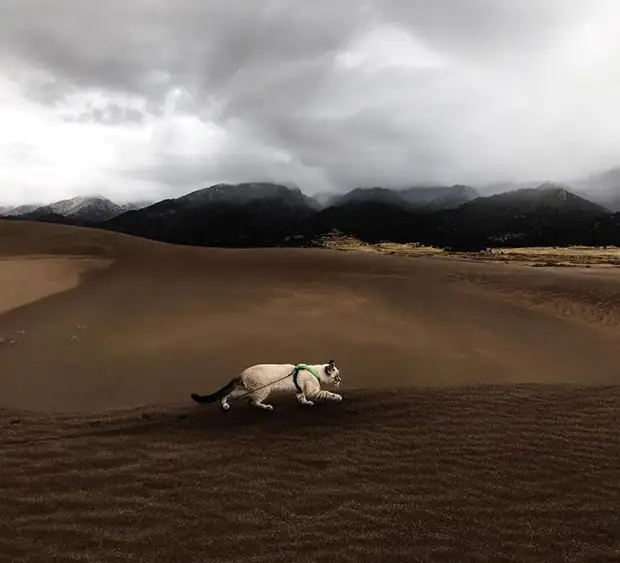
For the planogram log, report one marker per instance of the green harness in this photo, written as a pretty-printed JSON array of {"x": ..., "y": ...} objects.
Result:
[{"x": 303, "y": 367}]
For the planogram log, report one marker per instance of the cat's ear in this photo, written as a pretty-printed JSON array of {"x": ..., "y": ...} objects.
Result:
[{"x": 330, "y": 366}]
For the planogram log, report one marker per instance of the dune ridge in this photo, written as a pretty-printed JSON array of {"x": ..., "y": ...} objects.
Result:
[{"x": 26, "y": 280}]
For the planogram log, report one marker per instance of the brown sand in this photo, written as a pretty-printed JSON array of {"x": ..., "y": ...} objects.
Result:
[
  {"x": 24, "y": 280},
  {"x": 442, "y": 470}
]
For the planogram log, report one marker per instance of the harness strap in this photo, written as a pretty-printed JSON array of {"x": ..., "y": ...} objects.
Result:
[{"x": 303, "y": 367}]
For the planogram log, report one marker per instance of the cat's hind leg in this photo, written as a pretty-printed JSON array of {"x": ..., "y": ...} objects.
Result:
[
  {"x": 224, "y": 404},
  {"x": 257, "y": 400}
]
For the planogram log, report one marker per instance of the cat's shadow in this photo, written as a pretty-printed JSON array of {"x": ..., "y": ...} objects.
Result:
[{"x": 358, "y": 410}]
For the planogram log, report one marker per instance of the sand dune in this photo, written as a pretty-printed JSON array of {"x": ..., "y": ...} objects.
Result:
[
  {"x": 28, "y": 279},
  {"x": 162, "y": 321},
  {"x": 501, "y": 443},
  {"x": 517, "y": 474}
]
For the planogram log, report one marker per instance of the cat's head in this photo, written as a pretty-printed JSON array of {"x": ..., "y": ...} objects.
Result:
[{"x": 332, "y": 373}]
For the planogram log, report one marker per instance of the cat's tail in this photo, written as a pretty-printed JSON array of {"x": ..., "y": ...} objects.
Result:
[{"x": 230, "y": 386}]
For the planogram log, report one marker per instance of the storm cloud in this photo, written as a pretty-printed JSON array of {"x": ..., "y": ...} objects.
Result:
[{"x": 152, "y": 98}]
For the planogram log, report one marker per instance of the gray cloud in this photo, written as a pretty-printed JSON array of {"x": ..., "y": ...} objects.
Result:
[
  {"x": 109, "y": 114},
  {"x": 145, "y": 46},
  {"x": 331, "y": 95},
  {"x": 485, "y": 29}
]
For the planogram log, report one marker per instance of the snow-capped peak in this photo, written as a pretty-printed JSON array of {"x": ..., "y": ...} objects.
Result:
[{"x": 80, "y": 204}]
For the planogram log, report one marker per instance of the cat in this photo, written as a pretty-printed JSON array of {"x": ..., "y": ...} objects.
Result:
[{"x": 258, "y": 381}]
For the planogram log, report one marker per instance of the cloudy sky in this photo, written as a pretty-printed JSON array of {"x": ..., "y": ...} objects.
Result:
[{"x": 137, "y": 99}]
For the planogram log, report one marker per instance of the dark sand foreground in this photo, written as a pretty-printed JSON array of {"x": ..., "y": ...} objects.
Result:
[
  {"x": 495, "y": 474},
  {"x": 501, "y": 442}
]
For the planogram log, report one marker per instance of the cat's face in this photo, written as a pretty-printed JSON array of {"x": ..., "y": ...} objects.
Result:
[{"x": 333, "y": 374}]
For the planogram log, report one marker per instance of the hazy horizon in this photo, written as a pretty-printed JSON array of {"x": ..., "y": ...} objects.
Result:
[{"x": 149, "y": 99}]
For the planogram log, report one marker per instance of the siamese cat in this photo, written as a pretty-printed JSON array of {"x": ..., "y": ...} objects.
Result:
[{"x": 259, "y": 381}]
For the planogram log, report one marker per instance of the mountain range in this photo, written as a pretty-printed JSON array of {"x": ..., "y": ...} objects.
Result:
[
  {"x": 268, "y": 214},
  {"x": 78, "y": 211},
  {"x": 425, "y": 199}
]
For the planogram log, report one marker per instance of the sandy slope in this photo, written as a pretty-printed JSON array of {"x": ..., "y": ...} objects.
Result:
[
  {"x": 25, "y": 280},
  {"x": 503, "y": 473},
  {"x": 495, "y": 474},
  {"x": 162, "y": 321}
]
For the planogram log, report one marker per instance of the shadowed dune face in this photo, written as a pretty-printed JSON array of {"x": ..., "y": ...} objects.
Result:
[
  {"x": 163, "y": 321},
  {"x": 523, "y": 474}
]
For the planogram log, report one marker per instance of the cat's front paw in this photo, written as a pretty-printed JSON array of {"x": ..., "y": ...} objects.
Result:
[
  {"x": 308, "y": 404},
  {"x": 337, "y": 398}
]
